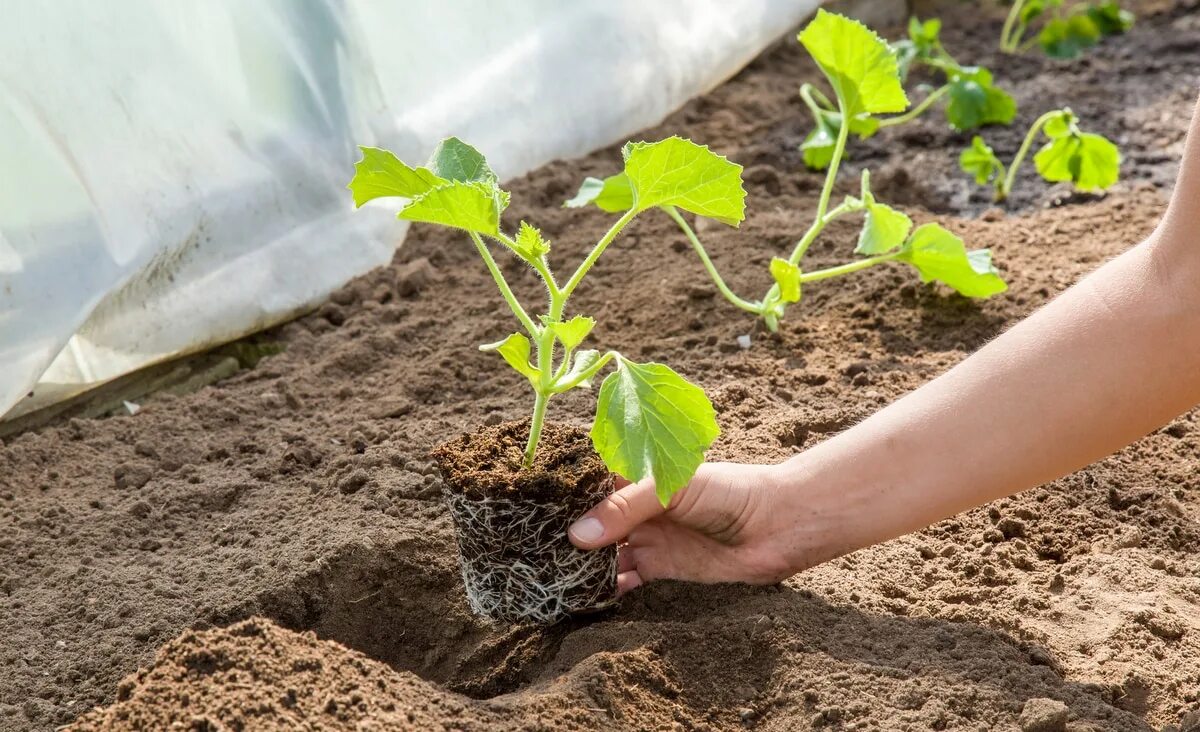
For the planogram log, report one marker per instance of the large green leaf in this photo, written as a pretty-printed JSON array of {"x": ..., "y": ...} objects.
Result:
[
  {"x": 940, "y": 255},
  {"x": 380, "y": 174},
  {"x": 858, "y": 63},
  {"x": 1068, "y": 37},
  {"x": 678, "y": 172},
  {"x": 1089, "y": 161},
  {"x": 515, "y": 350},
  {"x": 884, "y": 228},
  {"x": 976, "y": 101},
  {"x": 454, "y": 159},
  {"x": 787, "y": 276},
  {"x": 613, "y": 194},
  {"x": 650, "y": 421},
  {"x": 980, "y": 161},
  {"x": 572, "y": 332},
  {"x": 472, "y": 206}
]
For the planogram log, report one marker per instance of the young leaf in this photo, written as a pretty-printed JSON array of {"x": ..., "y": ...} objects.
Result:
[
  {"x": 980, "y": 161},
  {"x": 940, "y": 255},
  {"x": 884, "y": 229},
  {"x": 922, "y": 42},
  {"x": 454, "y": 159},
  {"x": 474, "y": 206},
  {"x": 530, "y": 242},
  {"x": 787, "y": 276},
  {"x": 1061, "y": 124},
  {"x": 1109, "y": 18},
  {"x": 678, "y": 172},
  {"x": 819, "y": 146},
  {"x": 613, "y": 194},
  {"x": 515, "y": 350},
  {"x": 650, "y": 421},
  {"x": 858, "y": 63},
  {"x": 1068, "y": 37},
  {"x": 573, "y": 331},
  {"x": 380, "y": 174},
  {"x": 975, "y": 101},
  {"x": 1089, "y": 161},
  {"x": 584, "y": 360}
]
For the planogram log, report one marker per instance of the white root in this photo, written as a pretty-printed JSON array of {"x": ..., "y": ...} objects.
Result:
[{"x": 518, "y": 565}]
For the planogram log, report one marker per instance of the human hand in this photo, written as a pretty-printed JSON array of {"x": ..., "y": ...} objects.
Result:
[{"x": 724, "y": 526}]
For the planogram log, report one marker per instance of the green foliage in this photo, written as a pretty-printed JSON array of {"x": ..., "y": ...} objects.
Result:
[
  {"x": 1068, "y": 37},
  {"x": 981, "y": 162},
  {"x": 884, "y": 228},
  {"x": 650, "y": 421},
  {"x": 787, "y": 276},
  {"x": 941, "y": 256},
  {"x": 858, "y": 64},
  {"x": 975, "y": 101},
  {"x": 1064, "y": 34}
]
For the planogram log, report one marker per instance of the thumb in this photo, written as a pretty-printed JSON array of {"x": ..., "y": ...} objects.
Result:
[{"x": 613, "y": 518}]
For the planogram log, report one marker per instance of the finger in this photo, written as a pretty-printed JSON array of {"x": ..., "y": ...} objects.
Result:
[
  {"x": 619, "y": 482},
  {"x": 626, "y": 559},
  {"x": 613, "y": 518},
  {"x": 626, "y": 581}
]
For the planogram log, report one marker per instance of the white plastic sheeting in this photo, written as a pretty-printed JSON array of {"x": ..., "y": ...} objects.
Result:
[{"x": 172, "y": 173}]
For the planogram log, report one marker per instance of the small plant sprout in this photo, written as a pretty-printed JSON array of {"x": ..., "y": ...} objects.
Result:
[
  {"x": 1089, "y": 161},
  {"x": 649, "y": 420},
  {"x": 973, "y": 99},
  {"x": 863, "y": 74},
  {"x": 1066, "y": 33}
]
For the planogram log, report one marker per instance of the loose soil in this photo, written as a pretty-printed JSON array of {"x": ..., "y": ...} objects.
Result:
[{"x": 300, "y": 491}]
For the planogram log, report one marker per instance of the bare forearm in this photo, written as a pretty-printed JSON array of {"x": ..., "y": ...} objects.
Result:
[{"x": 1113, "y": 358}]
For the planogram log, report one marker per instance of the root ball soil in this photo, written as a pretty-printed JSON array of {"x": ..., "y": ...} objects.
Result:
[{"x": 274, "y": 551}]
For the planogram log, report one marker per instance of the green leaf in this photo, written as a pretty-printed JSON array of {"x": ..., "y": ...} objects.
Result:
[
  {"x": 884, "y": 229},
  {"x": 980, "y": 161},
  {"x": 573, "y": 331},
  {"x": 380, "y": 174},
  {"x": 530, "y": 242},
  {"x": 940, "y": 255},
  {"x": 858, "y": 63},
  {"x": 650, "y": 421},
  {"x": 1089, "y": 161},
  {"x": 515, "y": 350},
  {"x": 787, "y": 276},
  {"x": 613, "y": 194},
  {"x": 472, "y": 206},
  {"x": 454, "y": 159},
  {"x": 584, "y": 360},
  {"x": 818, "y": 147},
  {"x": 678, "y": 172},
  {"x": 1033, "y": 9},
  {"x": 1068, "y": 37},
  {"x": 1109, "y": 18},
  {"x": 975, "y": 101},
  {"x": 1061, "y": 124}
]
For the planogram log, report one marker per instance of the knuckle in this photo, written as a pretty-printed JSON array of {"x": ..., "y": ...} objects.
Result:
[{"x": 622, "y": 506}]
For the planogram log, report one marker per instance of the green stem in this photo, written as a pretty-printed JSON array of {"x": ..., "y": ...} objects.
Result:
[
  {"x": 918, "y": 110},
  {"x": 586, "y": 374},
  {"x": 535, "y": 426},
  {"x": 1006, "y": 183},
  {"x": 806, "y": 93},
  {"x": 839, "y": 149},
  {"x": 750, "y": 307},
  {"x": 539, "y": 264},
  {"x": 845, "y": 269},
  {"x": 505, "y": 290},
  {"x": 593, "y": 255},
  {"x": 1007, "y": 42}
]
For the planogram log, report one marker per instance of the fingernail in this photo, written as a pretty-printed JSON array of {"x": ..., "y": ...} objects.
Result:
[{"x": 587, "y": 530}]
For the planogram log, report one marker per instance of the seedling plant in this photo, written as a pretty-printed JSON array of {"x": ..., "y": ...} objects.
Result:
[
  {"x": 1065, "y": 32},
  {"x": 863, "y": 74},
  {"x": 1089, "y": 161},
  {"x": 973, "y": 99}
]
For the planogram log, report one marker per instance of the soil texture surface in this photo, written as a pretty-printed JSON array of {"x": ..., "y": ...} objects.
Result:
[{"x": 273, "y": 551}]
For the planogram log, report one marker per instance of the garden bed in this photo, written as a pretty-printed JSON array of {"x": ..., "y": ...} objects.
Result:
[{"x": 300, "y": 492}]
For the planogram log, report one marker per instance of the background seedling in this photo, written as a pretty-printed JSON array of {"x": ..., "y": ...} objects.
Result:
[
  {"x": 1065, "y": 33},
  {"x": 863, "y": 74},
  {"x": 649, "y": 421},
  {"x": 1089, "y": 161},
  {"x": 973, "y": 99}
]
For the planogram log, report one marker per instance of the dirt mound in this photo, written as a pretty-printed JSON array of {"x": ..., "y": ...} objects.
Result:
[{"x": 301, "y": 492}]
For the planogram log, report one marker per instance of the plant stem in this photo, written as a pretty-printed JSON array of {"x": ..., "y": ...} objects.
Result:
[
  {"x": 505, "y": 290},
  {"x": 535, "y": 426},
  {"x": 1007, "y": 41},
  {"x": 806, "y": 93},
  {"x": 918, "y": 110},
  {"x": 750, "y": 307},
  {"x": 586, "y": 374},
  {"x": 839, "y": 149},
  {"x": 1006, "y": 183},
  {"x": 845, "y": 269},
  {"x": 593, "y": 255}
]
